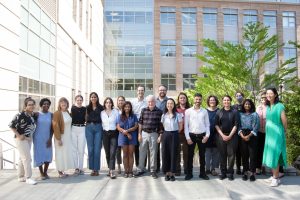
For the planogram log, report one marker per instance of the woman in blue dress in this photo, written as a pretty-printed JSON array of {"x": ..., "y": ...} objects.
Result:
[
  {"x": 127, "y": 127},
  {"x": 42, "y": 139}
]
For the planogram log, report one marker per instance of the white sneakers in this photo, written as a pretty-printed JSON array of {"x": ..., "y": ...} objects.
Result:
[
  {"x": 21, "y": 179},
  {"x": 30, "y": 181},
  {"x": 275, "y": 182}
]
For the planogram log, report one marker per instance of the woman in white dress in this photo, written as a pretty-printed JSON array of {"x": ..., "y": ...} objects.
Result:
[{"x": 62, "y": 138}]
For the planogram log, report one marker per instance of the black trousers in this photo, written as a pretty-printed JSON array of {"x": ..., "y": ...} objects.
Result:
[
  {"x": 238, "y": 154},
  {"x": 227, "y": 150},
  {"x": 260, "y": 148},
  {"x": 249, "y": 150},
  {"x": 118, "y": 155},
  {"x": 170, "y": 142},
  {"x": 197, "y": 140},
  {"x": 110, "y": 143}
]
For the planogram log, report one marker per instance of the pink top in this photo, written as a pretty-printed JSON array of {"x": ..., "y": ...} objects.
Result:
[{"x": 261, "y": 111}]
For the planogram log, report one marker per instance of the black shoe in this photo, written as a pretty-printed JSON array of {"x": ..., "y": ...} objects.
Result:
[
  {"x": 252, "y": 177},
  {"x": 204, "y": 176},
  {"x": 245, "y": 177},
  {"x": 154, "y": 175},
  {"x": 222, "y": 176},
  {"x": 230, "y": 177},
  {"x": 172, "y": 178},
  {"x": 167, "y": 178},
  {"x": 238, "y": 171},
  {"x": 188, "y": 177},
  {"x": 137, "y": 174}
]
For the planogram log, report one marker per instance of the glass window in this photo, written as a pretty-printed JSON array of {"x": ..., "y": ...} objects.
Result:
[
  {"x": 189, "y": 15},
  {"x": 34, "y": 9},
  {"x": 210, "y": 16},
  {"x": 34, "y": 25},
  {"x": 139, "y": 17},
  {"x": 24, "y": 16},
  {"x": 250, "y": 16},
  {"x": 45, "y": 20},
  {"x": 23, "y": 37},
  {"x": 167, "y": 15},
  {"x": 45, "y": 51},
  {"x": 129, "y": 17},
  {"x": 168, "y": 48},
  {"x": 189, "y": 48},
  {"x": 230, "y": 17},
  {"x": 23, "y": 84},
  {"x": 189, "y": 81},
  {"x": 169, "y": 80},
  {"x": 34, "y": 41},
  {"x": 288, "y": 19},
  {"x": 270, "y": 19}
]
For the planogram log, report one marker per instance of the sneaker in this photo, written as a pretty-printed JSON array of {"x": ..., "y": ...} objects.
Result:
[
  {"x": 214, "y": 173},
  {"x": 230, "y": 177},
  {"x": 275, "y": 182},
  {"x": 167, "y": 178},
  {"x": 204, "y": 176},
  {"x": 222, "y": 176},
  {"x": 130, "y": 175},
  {"x": 126, "y": 175},
  {"x": 21, "y": 179},
  {"x": 154, "y": 175},
  {"x": 188, "y": 177},
  {"x": 172, "y": 178},
  {"x": 137, "y": 174},
  {"x": 245, "y": 177},
  {"x": 252, "y": 178},
  {"x": 269, "y": 180},
  {"x": 30, "y": 181}
]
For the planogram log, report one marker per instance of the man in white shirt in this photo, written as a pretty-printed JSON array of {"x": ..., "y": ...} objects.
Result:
[
  {"x": 137, "y": 105},
  {"x": 197, "y": 131}
]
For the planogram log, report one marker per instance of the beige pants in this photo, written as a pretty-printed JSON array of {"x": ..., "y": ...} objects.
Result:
[{"x": 24, "y": 165}]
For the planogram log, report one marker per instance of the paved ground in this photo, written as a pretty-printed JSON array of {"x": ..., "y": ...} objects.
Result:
[{"x": 86, "y": 187}]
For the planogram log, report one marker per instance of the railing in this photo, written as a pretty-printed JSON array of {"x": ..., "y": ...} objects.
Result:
[{"x": 2, "y": 159}]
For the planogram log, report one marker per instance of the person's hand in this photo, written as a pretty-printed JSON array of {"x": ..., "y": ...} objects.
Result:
[
  {"x": 204, "y": 140},
  {"x": 129, "y": 136},
  {"x": 189, "y": 141},
  {"x": 49, "y": 143},
  {"x": 125, "y": 132},
  {"x": 226, "y": 138},
  {"x": 159, "y": 139},
  {"x": 140, "y": 138},
  {"x": 59, "y": 142}
]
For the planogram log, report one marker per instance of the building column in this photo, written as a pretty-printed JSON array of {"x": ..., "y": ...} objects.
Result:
[{"x": 179, "y": 82}]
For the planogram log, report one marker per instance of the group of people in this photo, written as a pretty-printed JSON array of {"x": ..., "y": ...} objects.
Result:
[{"x": 157, "y": 128}]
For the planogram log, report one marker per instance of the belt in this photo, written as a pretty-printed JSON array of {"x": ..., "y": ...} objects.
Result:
[
  {"x": 80, "y": 125},
  {"x": 198, "y": 134},
  {"x": 93, "y": 123},
  {"x": 148, "y": 130}
]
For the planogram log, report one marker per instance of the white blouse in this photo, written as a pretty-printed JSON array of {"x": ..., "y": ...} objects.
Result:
[
  {"x": 109, "y": 122},
  {"x": 171, "y": 123}
]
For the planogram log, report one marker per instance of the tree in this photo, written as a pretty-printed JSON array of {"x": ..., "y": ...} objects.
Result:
[{"x": 240, "y": 67}]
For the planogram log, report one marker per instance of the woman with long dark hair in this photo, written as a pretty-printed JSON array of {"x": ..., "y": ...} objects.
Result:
[
  {"x": 248, "y": 133},
  {"x": 93, "y": 133},
  {"x": 275, "y": 143},
  {"x": 127, "y": 127},
  {"x": 109, "y": 118},
  {"x": 211, "y": 150},
  {"x": 172, "y": 123},
  {"x": 42, "y": 139},
  {"x": 181, "y": 106}
]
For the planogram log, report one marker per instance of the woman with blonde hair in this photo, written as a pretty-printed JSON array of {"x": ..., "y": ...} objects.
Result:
[{"x": 62, "y": 137}]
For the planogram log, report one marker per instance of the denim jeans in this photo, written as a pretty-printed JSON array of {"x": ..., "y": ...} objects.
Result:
[{"x": 93, "y": 134}]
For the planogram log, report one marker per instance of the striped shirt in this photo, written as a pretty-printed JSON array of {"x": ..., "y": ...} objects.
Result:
[{"x": 151, "y": 119}]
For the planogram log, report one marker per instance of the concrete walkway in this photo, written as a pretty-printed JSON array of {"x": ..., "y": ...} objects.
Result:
[{"x": 86, "y": 187}]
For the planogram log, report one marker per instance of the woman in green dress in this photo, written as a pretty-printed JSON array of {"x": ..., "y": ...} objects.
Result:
[{"x": 275, "y": 144}]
